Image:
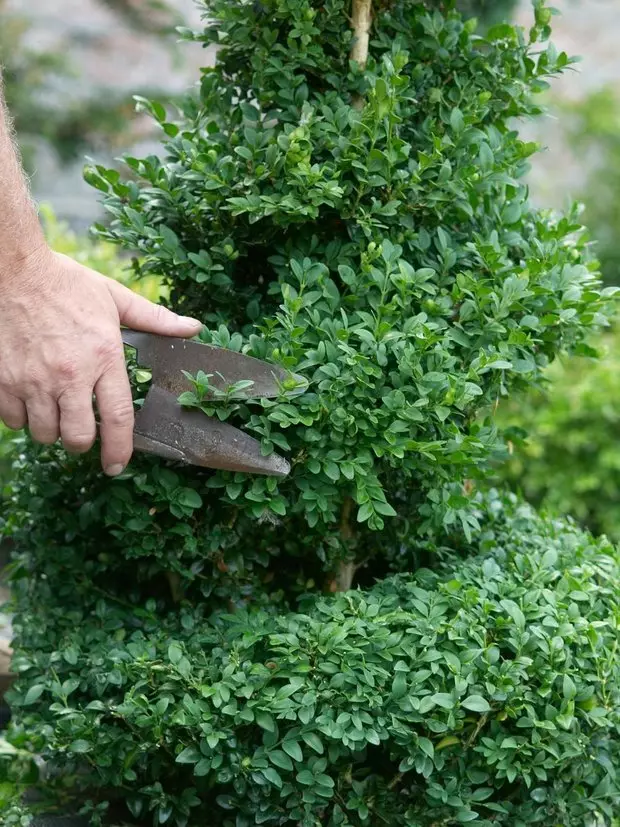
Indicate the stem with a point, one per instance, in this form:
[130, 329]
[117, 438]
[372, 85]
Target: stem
[342, 579]
[361, 18]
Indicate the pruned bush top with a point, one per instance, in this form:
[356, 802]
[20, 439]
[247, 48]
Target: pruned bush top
[372, 230]
[360, 216]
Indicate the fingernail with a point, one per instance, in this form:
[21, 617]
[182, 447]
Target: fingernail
[114, 470]
[190, 320]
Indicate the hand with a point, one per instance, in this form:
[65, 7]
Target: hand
[60, 343]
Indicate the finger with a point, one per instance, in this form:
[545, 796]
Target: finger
[12, 411]
[139, 313]
[77, 420]
[116, 416]
[43, 419]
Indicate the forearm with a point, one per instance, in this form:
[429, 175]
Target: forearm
[20, 231]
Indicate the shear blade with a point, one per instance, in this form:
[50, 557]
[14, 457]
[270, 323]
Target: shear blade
[168, 357]
[164, 428]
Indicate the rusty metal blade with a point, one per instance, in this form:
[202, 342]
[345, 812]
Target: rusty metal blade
[164, 428]
[168, 357]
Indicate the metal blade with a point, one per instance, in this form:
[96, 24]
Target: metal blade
[168, 357]
[164, 428]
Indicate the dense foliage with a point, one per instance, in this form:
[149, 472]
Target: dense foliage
[485, 691]
[564, 441]
[366, 223]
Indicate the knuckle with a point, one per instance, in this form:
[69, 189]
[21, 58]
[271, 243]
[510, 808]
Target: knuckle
[68, 369]
[119, 416]
[160, 313]
[107, 349]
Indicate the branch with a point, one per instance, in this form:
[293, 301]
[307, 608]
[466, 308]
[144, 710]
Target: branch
[361, 19]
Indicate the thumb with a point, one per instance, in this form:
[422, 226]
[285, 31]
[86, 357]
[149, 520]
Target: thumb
[140, 314]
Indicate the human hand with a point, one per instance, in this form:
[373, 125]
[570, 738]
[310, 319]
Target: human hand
[60, 343]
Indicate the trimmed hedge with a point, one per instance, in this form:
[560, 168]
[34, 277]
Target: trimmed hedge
[487, 691]
[364, 222]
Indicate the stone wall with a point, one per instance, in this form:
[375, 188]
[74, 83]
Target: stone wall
[105, 54]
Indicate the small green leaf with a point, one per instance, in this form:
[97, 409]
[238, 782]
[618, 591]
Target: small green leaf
[280, 759]
[265, 720]
[190, 755]
[80, 746]
[273, 776]
[33, 694]
[293, 749]
[476, 703]
[313, 741]
[175, 653]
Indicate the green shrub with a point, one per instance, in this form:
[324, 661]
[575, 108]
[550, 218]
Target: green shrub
[18, 772]
[367, 226]
[486, 691]
[564, 440]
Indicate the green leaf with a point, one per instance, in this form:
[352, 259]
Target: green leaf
[306, 778]
[569, 690]
[280, 759]
[175, 653]
[190, 755]
[513, 611]
[443, 699]
[33, 694]
[293, 749]
[80, 746]
[476, 703]
[189, 498]
[313, 741]
[273, 776]
[265, 720]
[399, 685]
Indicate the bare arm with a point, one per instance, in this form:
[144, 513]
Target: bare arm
[60, 339]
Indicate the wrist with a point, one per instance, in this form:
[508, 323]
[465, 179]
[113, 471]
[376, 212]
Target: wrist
[25, 255]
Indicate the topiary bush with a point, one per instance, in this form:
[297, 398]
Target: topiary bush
[350, 204]
[485, 691]
[564, 453]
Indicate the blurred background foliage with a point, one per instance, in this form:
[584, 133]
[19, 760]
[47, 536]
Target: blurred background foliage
[488, 11]
[564, 441]
[594, 130]
[104, 119]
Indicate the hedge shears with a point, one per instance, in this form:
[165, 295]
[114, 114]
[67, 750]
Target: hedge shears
[166, 428]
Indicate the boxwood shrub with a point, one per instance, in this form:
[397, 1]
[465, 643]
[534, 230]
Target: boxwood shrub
[486, 690]
[203, 647]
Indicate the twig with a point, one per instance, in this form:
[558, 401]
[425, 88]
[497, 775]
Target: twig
[481, 723]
